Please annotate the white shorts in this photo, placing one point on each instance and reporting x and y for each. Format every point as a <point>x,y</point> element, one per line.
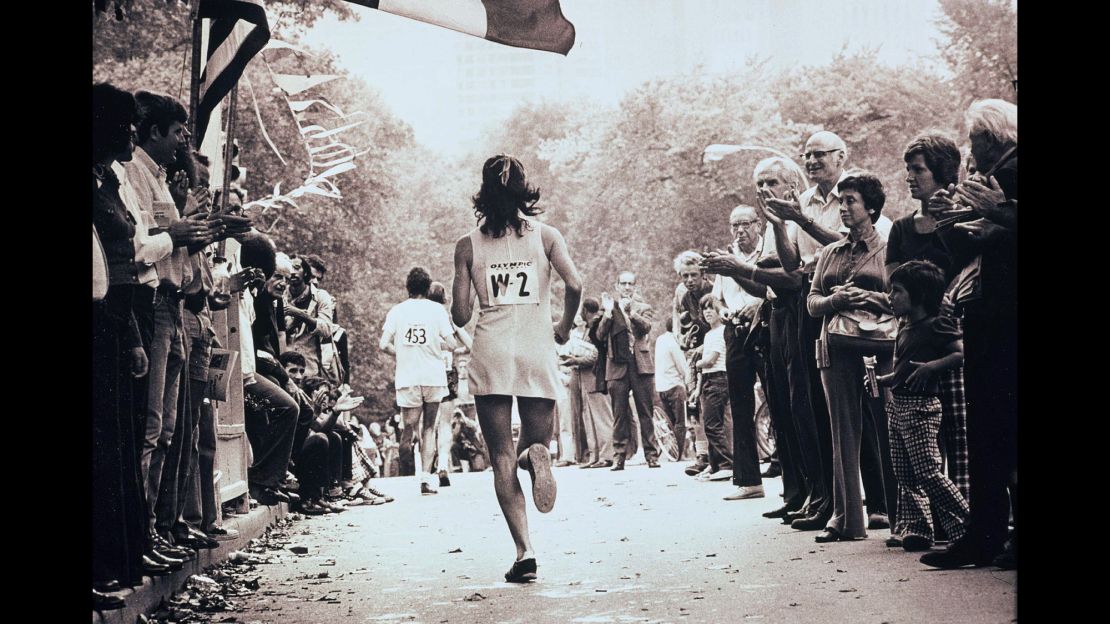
<point>417,396</point>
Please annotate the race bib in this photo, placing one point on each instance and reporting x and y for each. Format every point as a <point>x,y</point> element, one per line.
<point>512,283</point>
<point>415,335</point>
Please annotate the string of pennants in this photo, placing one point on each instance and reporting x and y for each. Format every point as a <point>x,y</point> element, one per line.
<point>321,125</point>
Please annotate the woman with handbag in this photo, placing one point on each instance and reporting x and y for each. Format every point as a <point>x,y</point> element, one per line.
<point>849,291</point>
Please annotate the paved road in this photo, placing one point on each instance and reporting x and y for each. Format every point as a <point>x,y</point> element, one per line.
<point>641,545</point>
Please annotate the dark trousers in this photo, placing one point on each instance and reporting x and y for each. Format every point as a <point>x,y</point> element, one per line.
<point>643,387</point>
<point>270,431</point>
<point>717,419</point>
<point>335,458</point>
<point>674,406</point>
<point>782,391</point>
<point>118,505</point>
<point>814,432</point>
<point>311,467</point>
<point>742,366</point>
<point>990,372</point>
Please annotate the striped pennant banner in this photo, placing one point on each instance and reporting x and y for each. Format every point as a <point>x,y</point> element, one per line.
<point>532,24</point>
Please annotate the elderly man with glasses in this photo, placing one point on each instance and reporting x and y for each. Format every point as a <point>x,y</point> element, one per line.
<point>817,216</point>
<point>630,365</point>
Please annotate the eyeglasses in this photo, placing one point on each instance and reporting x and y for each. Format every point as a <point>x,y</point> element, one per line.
<point>743,224</point>
<point>818,154</point>
<point>626,283</point>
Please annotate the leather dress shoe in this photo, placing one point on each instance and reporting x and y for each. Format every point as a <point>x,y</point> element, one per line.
<point>157,557</point>
<point>810,523</point>
<point>153,568</point>
<point>618,463</point>
<point>832,535</point>
<point>165,547</point>
<point>774,470</point>
<point>196,539</point>
<point>292,496</point>
<point>269,496</point>
<point>653,463</point>
<point>916,543</point>
<point>959,554</point>
<point>781,512</point>
<point>791,516</point>
<point>107,586</point>
<point>106,602</point>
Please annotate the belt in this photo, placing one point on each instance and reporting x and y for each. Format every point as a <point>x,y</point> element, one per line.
<point>173,294</point>
<point>713,375</point>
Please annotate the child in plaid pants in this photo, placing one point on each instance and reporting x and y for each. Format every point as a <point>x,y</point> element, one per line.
<point>927,345</point>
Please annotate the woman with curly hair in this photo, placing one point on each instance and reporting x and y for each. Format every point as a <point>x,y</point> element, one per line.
<point>506,262</point>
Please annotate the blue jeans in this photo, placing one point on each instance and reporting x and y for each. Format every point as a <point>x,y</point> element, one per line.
<point>167,356</point>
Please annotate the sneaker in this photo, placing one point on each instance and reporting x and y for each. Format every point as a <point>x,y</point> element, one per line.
<point>388,499</point>
<point>746,491</point>
<point>697,467</point>
<point>538,465</point>
<point>222,534</point>
<point>426,488</point>
<point>877,521</point>
<point>721,475</point>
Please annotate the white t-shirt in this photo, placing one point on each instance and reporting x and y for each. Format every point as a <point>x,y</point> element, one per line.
<point>715,342</point>
<point>417,327</point>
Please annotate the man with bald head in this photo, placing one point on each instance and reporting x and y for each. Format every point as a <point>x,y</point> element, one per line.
<point>630,365</point>
<point>817,216</point>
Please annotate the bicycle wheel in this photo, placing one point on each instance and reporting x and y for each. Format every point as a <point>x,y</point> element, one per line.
<point>764,433</point>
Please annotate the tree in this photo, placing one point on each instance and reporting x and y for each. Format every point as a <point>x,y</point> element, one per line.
<point>980,47</point>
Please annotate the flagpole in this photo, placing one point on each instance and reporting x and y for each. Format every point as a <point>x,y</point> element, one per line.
<point>229,147</point>
<point>194,83</point>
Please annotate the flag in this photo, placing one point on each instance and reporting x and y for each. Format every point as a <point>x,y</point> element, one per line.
<point>239,31</point>
<point>533,24</point>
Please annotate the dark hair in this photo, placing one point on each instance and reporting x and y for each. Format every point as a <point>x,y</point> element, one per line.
<point>156,109</point>
<point>924,281</point>
<point>437,293</point>
<point>504,194</point>
<point>709,298</point>
<point>317,264</point>
<point>591,304</point>
<point>669,323</point>
<point>418,282</point>
<point>113,112</point>
<point>942,157</point>
<point>258,251</point>
<point>201,159</point>
<point>292,357</point>
<point>306,267</point>
<point>869,187</point>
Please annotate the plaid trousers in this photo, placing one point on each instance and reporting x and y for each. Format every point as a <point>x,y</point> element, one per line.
<point>953,429</point>
<point>953,426</point>
<point>922,485</point>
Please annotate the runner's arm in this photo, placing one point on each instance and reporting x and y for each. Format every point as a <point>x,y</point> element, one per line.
<point>462,298</point>
<point>556,248</point>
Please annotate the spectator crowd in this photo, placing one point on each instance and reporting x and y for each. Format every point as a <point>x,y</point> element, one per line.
<point>167,254</point>
<point>885,352</point>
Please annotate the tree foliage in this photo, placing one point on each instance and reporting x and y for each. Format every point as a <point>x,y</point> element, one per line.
<point>980,47</point>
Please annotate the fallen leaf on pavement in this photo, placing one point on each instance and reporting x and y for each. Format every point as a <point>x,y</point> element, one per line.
<point>475,597</point>
<point>457,550</point>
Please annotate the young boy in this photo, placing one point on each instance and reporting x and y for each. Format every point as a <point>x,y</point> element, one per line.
<point>927,344</point>
<point>713,392</point>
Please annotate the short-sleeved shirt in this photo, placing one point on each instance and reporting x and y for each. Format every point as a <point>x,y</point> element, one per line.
<point>826,213</point>
<point>726,289</point>
<point>417,328</point>
<point>922,341</point>
<point>715,343</point>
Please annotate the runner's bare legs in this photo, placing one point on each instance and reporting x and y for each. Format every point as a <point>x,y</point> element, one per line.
<point>495,418</point>
<point>421,431</point>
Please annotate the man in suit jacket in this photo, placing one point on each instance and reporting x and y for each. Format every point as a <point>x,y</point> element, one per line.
<point>625,325</point>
